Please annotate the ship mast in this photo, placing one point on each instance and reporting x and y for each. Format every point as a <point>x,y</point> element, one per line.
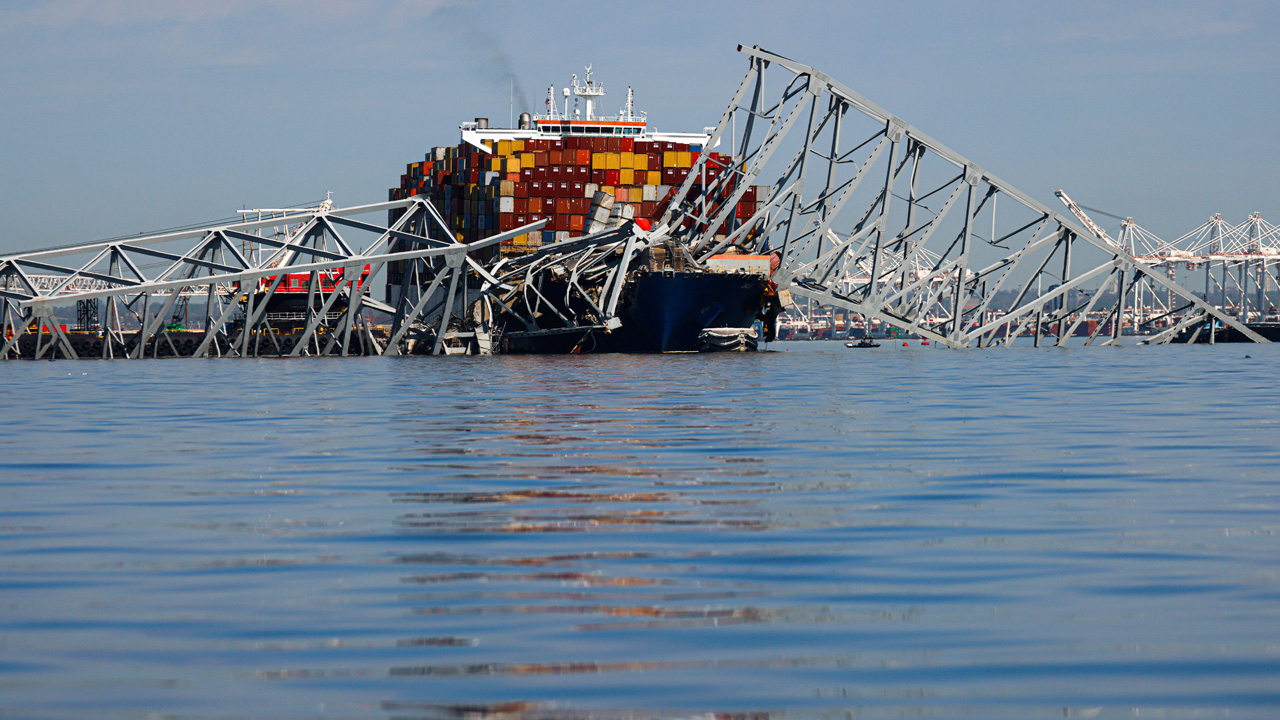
<point>590,92</point>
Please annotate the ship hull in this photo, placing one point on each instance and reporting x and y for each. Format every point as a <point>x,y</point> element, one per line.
<point>660,313</point>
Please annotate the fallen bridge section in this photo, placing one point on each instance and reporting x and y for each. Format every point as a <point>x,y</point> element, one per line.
<point>870,214</point>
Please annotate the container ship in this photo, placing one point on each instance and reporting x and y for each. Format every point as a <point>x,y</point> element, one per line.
<point>584,173</point>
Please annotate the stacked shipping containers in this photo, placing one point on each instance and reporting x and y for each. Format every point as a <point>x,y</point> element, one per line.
<point>578,184</point>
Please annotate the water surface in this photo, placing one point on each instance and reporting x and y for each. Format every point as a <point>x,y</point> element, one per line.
<point>807,532</point>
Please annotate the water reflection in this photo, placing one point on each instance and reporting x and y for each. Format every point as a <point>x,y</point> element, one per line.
<point>825,536</point>
<point>544,711</point>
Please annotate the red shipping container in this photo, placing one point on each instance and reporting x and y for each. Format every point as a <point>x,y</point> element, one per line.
<point>648,208</point>
<point>535,189</point>
<point>564,188</point>
<point>562,222</point>
<point>746,209</point>
<point>575,223</point>
<point>526,174</point>
<point>475,176</point>
<point>522,189</point>
<point>562,206</point>
<point>520,205</point>
<point>547,206</point>
<point>557,144</point>
<point>583,158</point>
<point>612,177</point>
<point>577,189</point>
<point>541,174</point>
<point>507,221</point>
<point>749,195</point>
<point>555,173</point>
<point>598,144</point>
<point>554,157</point>
<point>627,144</point>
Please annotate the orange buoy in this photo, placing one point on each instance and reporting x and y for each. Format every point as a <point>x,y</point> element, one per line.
<point>904,344</point>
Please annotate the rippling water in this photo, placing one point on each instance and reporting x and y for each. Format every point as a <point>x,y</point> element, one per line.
<point>809,532</point>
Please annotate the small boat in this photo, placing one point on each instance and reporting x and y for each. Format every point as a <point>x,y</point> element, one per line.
<point>863,343</point>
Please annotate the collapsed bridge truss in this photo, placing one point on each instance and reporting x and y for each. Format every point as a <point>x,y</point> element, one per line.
<point>237,271</point>
<point>872,215</point>
<point>863,211</point>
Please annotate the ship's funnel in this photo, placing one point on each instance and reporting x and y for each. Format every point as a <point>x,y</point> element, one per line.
<point>526,122</point>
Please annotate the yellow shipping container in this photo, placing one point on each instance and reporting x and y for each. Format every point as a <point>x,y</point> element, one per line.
<point>626,161</point>
<point>684,159</point>
<point>526,160</point>
<point>504,148</point>
<point>517,146</point>
<point>655,177</point>
<point>613,161</point>
<point>669,159</point>
<point>495,164</point>
<point>522,239</point>
<point>640,161</point>
<point>597,161</point>
<point>635,195</point>
<point>626,176</point>
<point>513,165</point>
<point>607,190</point>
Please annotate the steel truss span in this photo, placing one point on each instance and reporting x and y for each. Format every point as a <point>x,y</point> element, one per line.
<point>872,215</point>
<point>238,274</point>
<point>863,211</point>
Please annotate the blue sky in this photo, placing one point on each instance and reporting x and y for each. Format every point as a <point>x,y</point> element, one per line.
<point>125,116</point>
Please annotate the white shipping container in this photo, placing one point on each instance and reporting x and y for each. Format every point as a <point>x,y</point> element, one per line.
<point>506,204</point>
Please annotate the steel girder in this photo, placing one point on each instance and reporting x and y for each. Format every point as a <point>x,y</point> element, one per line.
<point>238,269</point>
<point>869,214</point>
